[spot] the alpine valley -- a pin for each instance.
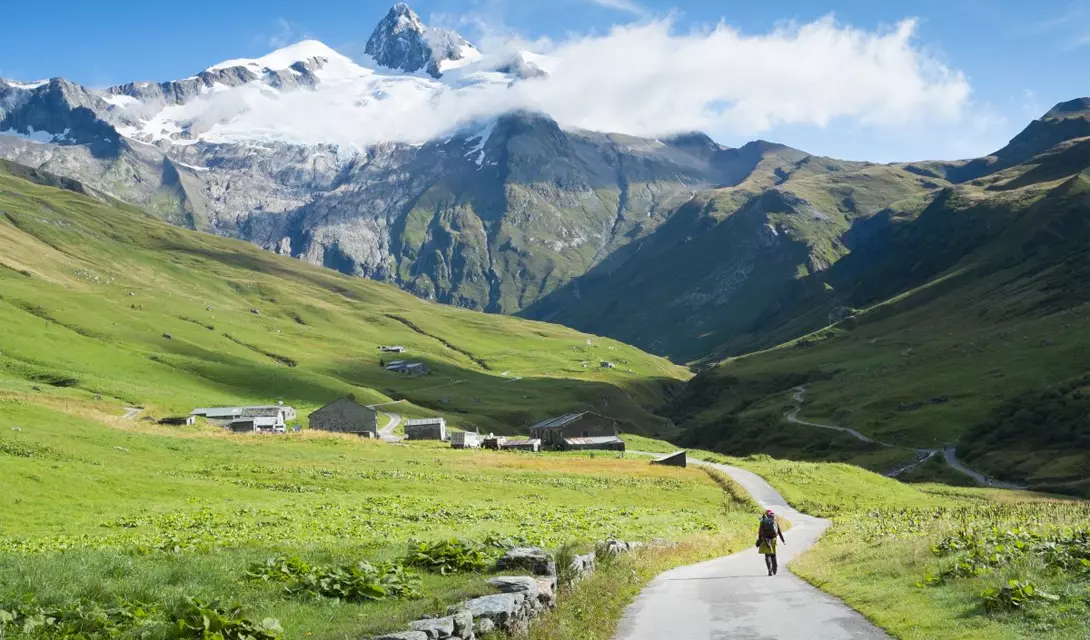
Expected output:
(879, 282)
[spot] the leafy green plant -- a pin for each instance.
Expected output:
(211, 621)
(1014, 595)
(80, 619)
(362, 581)
(278, 569)
(448, 556)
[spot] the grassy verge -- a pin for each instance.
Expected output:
(932, 561)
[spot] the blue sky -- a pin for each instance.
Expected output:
(1018, 58)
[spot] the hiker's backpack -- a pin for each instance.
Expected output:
(768, 526)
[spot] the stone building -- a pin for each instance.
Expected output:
(465, 440)
(346, 416)
(578, 431)
(426, 429)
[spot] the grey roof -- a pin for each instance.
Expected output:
(261, 412)
(594, 440)
(556, 423)
(227, 412)
(423, 421)
(525, 442)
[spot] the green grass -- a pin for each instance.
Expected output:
(105, 509)
(104, 286)
(879, 558)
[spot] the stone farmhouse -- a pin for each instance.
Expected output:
(577, 432)
(345, 415)
(426, 429)
(408, 368)
(272, 417)
(260, 420)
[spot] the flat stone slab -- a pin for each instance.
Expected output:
(404, 635)
(533, 559)
(435, 628)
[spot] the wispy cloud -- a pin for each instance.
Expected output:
(283, 33)
(629, 6)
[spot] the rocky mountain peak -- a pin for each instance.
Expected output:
(402, 41)
(1069, 108)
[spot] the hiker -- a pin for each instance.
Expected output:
(766, 540)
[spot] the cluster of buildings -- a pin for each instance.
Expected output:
(254, 419)
(569, 432)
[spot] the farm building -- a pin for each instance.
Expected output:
(408, 368)
(578, 431)
(426, 429)
(225, 415)
(179, 421)
(493, 442)
(393, 349)
(272, 423)
(465, 440)
(346, 416)
(609, 443)
(606, 364)
(525, 444)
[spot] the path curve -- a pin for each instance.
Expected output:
(733, 596)
(951, 459)
(131, 413)
(923, 455)
(387, 432)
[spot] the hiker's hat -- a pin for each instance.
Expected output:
(769, 512)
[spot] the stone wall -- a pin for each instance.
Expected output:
(520, 599)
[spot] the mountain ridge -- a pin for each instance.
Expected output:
(512, 214)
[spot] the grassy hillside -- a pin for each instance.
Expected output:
(107, 513)
(946, 308)
(711, 276)
(100, 300)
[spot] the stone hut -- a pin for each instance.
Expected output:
(426, 429)
(346, 416)
(578, 431)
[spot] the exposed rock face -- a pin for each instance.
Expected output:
(401, 41)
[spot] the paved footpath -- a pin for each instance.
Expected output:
(733, 598)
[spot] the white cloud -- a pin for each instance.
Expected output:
(646, 80)
(621, 5)
(643, 79)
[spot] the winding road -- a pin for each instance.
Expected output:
(387, 432)
(733, 596)
(923, 455)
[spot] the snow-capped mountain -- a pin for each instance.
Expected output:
(402, 42)
(416, 164)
